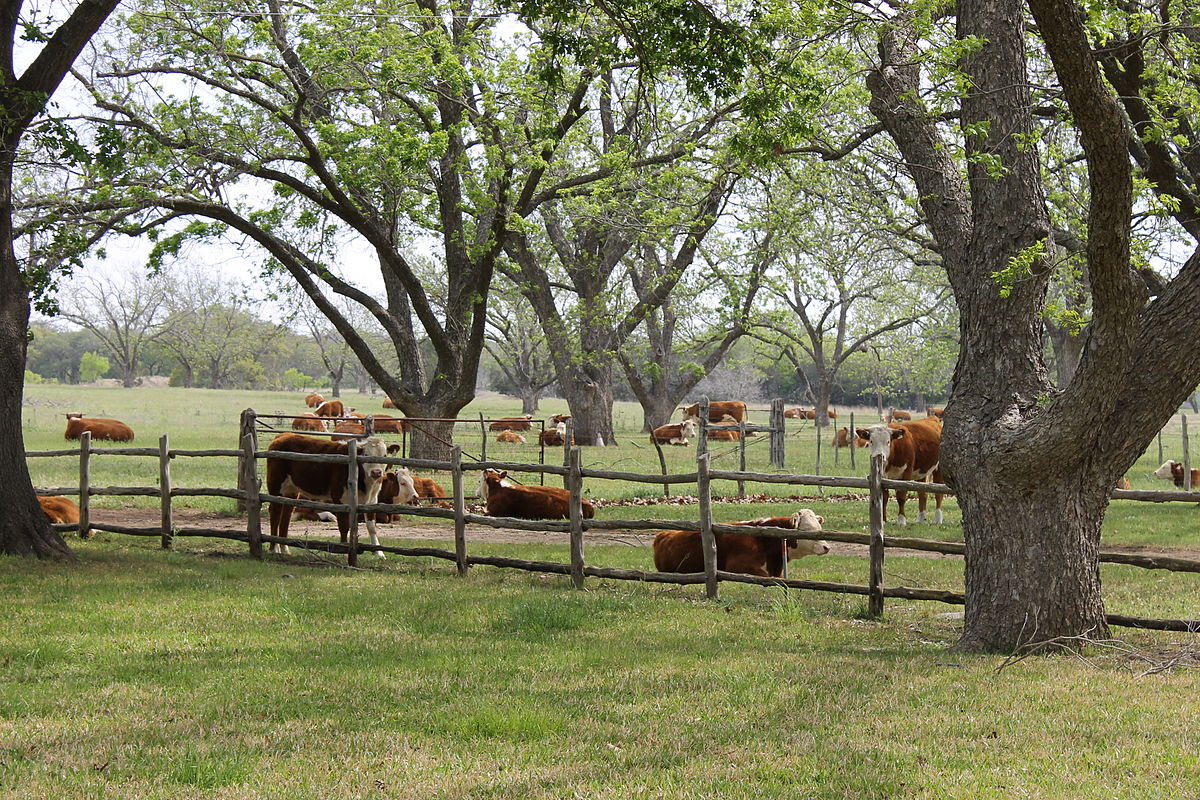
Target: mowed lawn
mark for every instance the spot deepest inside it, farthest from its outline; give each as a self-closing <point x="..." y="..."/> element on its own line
<point x="138" y="673"/>
<point x="199" y="673"/>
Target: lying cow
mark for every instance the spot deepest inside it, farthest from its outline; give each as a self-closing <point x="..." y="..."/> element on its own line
<point x="554" y="437"/>
<point x="512" y="423"/>
<point x="681" y="551"/>
<point x="506" y="499"/>
<point x="717" y="411"/>
<point x="510" y="437"/>
<point x="321" y="481"/>
<point x="99" y="427"/>
<point x="674" y="434"/>
<point x="843" y="438"/>
<point x="308" y="421"/>
<point x="61" y="511"/>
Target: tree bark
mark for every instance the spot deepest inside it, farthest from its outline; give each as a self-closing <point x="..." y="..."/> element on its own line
<point x="1067" y="349"/>
<point x="591" y="402"/>
<point x="529" y="400"/>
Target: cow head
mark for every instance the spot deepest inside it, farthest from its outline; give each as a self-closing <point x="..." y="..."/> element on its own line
<point x="561" y="429"/>
<point x="398" y="487"/>
<point x="492" y="476"/>
<point x="369" y="451"/>
<point x="1166" y="471"/>
<point x="880" y="438"/>
<point x="687" y="430"/>
<point x="75" y="415"/>
<point x="806" y="520"/>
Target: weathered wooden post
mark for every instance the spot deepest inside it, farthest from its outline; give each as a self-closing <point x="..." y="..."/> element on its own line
<point x="1187" y="456"/>
<point x="875" y="581"/>
<point x="247" y="428"/>
<point x="164" y="490"/>
<point x="742" y="461"/>
<point x="568" y="443"/>
<point x="85" y="483"/>
<point x="483" y="438"/>
<point x="352" y="498"/>
<point x="575" y="512"/>
<point x="460" y="509"/>
<point x="708" y="542"/>
<point x="662" y="462"/>
<point x="248" y="481"/>
<point x="369" y="425"/>
<point x="777" y="432"/>
<point x="702" y="446"/>
<point x="850" y="435"/>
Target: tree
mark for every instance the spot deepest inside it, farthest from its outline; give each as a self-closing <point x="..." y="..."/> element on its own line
<point x="516" y="343"/>
<point x="92" y="367"/>
<point x="23" y="528"/>
<point x="124" y="313"/>
<point x="1033" y="466"/>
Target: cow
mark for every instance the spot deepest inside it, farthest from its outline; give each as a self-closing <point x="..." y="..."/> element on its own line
<point x="895" y="414"/>
<point x="321" y="481"/>
<point x="811" y="413"/>
<point x="1123" y="482"/>
<point x="308" y="421"/>
<point x="934" y="411"/>
<point x="512" y="437"/>
<point x="385" y="423"/>
<point x="553" y="437"/>
<point x="61" y="511"/>
<point x="718" y="410"/>
<point x="843" y="438"/>
<point x="389" y="403"/>
<point x="674" y="434"/>
<point x="331" y="408"/>
<point x="424" y="487"/>
<point x="506" y="499"/>
<point x="313" y="400"/>
<point x="912" y="452"/>
<point x="1174" y="471"/>
<point x="349" y="429"/>
<point x="681" y="551"/>
<point x="794" y="413"/>
<point x="512" y="424"/>
<point x="723" y="432"/>
<point x="100" y="428"/>
<point x="557" y="418"/>
<point x="400" y="487"/>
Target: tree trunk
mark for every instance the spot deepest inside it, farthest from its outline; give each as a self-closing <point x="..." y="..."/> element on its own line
<point x="821" y="410"/>
<point x="1068" y="350"/>
<point x="921" y="403"/>
<point x="129" y="376"/>
<point x="432" y="440"/>
<point x="591" y="404"/>
<point x="656" y="412"/>
<point x="530" y="398"/>
<point x="1031" y="561"/>
<point x="879" y="404"/>
<point x="24" y="529"/>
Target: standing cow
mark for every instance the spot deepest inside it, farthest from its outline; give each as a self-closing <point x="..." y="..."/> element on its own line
<point x="912" y="452"/>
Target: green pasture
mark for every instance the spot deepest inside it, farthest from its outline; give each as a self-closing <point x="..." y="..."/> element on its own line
<point x="134" y="672"/>
<point x="205" y="418"/>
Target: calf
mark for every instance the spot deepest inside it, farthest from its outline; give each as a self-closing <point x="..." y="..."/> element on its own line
<point x="61" y="511"/>
<point x="506" y="499"/>
<point x="724" y="432"/>
<point x="794" y="413"/>
<point x="674" y="434"/>
<point x="321" y="481"/>
<point x="843" y="438"/>
<point x="512" y="437"/>
<point x="331" y="408"/>
<point x="308" y="421"/>
<point x="100" y="428"/>
<point x="557" y="418"/>
<point x="396" y="488"/>
<point x="681" y="551"/>
<point x="718" y="410"/>
<point x="1174" y="471"/>
<point x="349" y="429"/>
<point x="912" y="452"/>
<point x="512" y="424"/>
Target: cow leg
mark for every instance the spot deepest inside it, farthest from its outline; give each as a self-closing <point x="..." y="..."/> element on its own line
<point x="901" y="497"/>
<point x="374" y="536"/>
<point x="921" y="500"/>
<point x="281" y="518"/>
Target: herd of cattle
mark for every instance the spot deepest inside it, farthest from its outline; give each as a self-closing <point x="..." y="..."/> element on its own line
<point x="911" y="451"/>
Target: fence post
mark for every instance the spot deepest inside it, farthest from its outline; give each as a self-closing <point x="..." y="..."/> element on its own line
<point x="875" y="580"/>
<point x="777" y="432"/>
<point x="460" y="508"/>
<point x="248" y="481"/>
<point x="1187" y="456"/>
<point x="850" y="438"/>
<point x="662" y="462"/>
<point x="708" y="542"/>
<point x="568" y="442"/>
<point x="817" y="431"/>
<point x="247" y="429"/>
<point x="483" y="437"/>
<point x="352" y="499"/>
<point x="742" y="448"/>
<point x="164" y="488"/>
<point x="85" y="483"/>
<point x="1160" y="456"/>
<point x="702" y="447"/>
<point x="575" y="483"/>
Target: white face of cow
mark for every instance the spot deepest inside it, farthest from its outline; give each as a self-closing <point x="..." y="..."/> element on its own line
<point x="406" y="490"/>
<point x="1164" y="471"/>
<point x="688" y="429"/>
<point x="799" y="548"/>
<point x="807" y="520"/>
<point x="561" y="428"/>
<point x="370" y="450"/>
<point x="879" y="438"/>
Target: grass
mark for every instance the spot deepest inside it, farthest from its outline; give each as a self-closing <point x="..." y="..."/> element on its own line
<point x="137" y="673"/>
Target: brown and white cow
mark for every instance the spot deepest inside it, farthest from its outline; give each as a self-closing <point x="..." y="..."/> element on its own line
<point x="61" y="511"/>
<point x="681" y="551"/>
<point x="385" y="423"/>
<point x="308" y="421"/>
<point x="895" y="414"/>
<point x="321" y="481"/>
<point x="349" y="429"/>
<point x="723" y="432"/>
<point x="1173" y="470"/>
<point x="512" y="424"/>
<point x="934" y="411"/>
<point x="313" y="400"/>
<point x="843" y="438"/>
<point x="553" y="437"/>
<point x="675" y="434"/>
<point x="557" y="418"/>
<point x="511" y="437"/>
<point x="811" y="413"/>
<point x="717" y="411"/>
<point x="331" y="408"/>
<point x="100" y="428"/>
<point x="793" y="413"/>
<point x="506" y="499"/>
<point x="912" y="452"/>
<point x="424" y="487"/>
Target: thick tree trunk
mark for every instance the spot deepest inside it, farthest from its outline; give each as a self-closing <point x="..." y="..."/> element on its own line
<point x="432" y="440"/>
<point x="821" y="410"/>
<point x="1031" y="563"/>
<point x="921" y="403"/>
<point x="24" y="529"/>
<point x="657" y="411"/>
<point x="529" y="400"/>
<point x="591" y="404"/>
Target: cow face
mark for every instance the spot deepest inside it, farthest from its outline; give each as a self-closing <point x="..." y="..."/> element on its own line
<point x="1166" y="471"/>
<point x="687" y="430"/>
<point x="398" y="487"/>
<point x="799" y="548"/>
<point x="807" y="520"/>
<point x="372" y="449"/>
<point x="496" y="477"/>
<point x="879" y="438"/>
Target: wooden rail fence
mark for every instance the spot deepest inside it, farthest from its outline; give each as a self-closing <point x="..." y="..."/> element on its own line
<point x="574" y="475"/>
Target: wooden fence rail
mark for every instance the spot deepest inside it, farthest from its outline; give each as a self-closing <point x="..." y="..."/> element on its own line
<point x="575" y="526"/>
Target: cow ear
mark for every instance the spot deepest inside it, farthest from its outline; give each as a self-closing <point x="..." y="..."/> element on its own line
<point x="897" y="433"/>
<point x="502" y="475"/>
<point x="393" y="449"/>
<point x="863" y="433"/>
